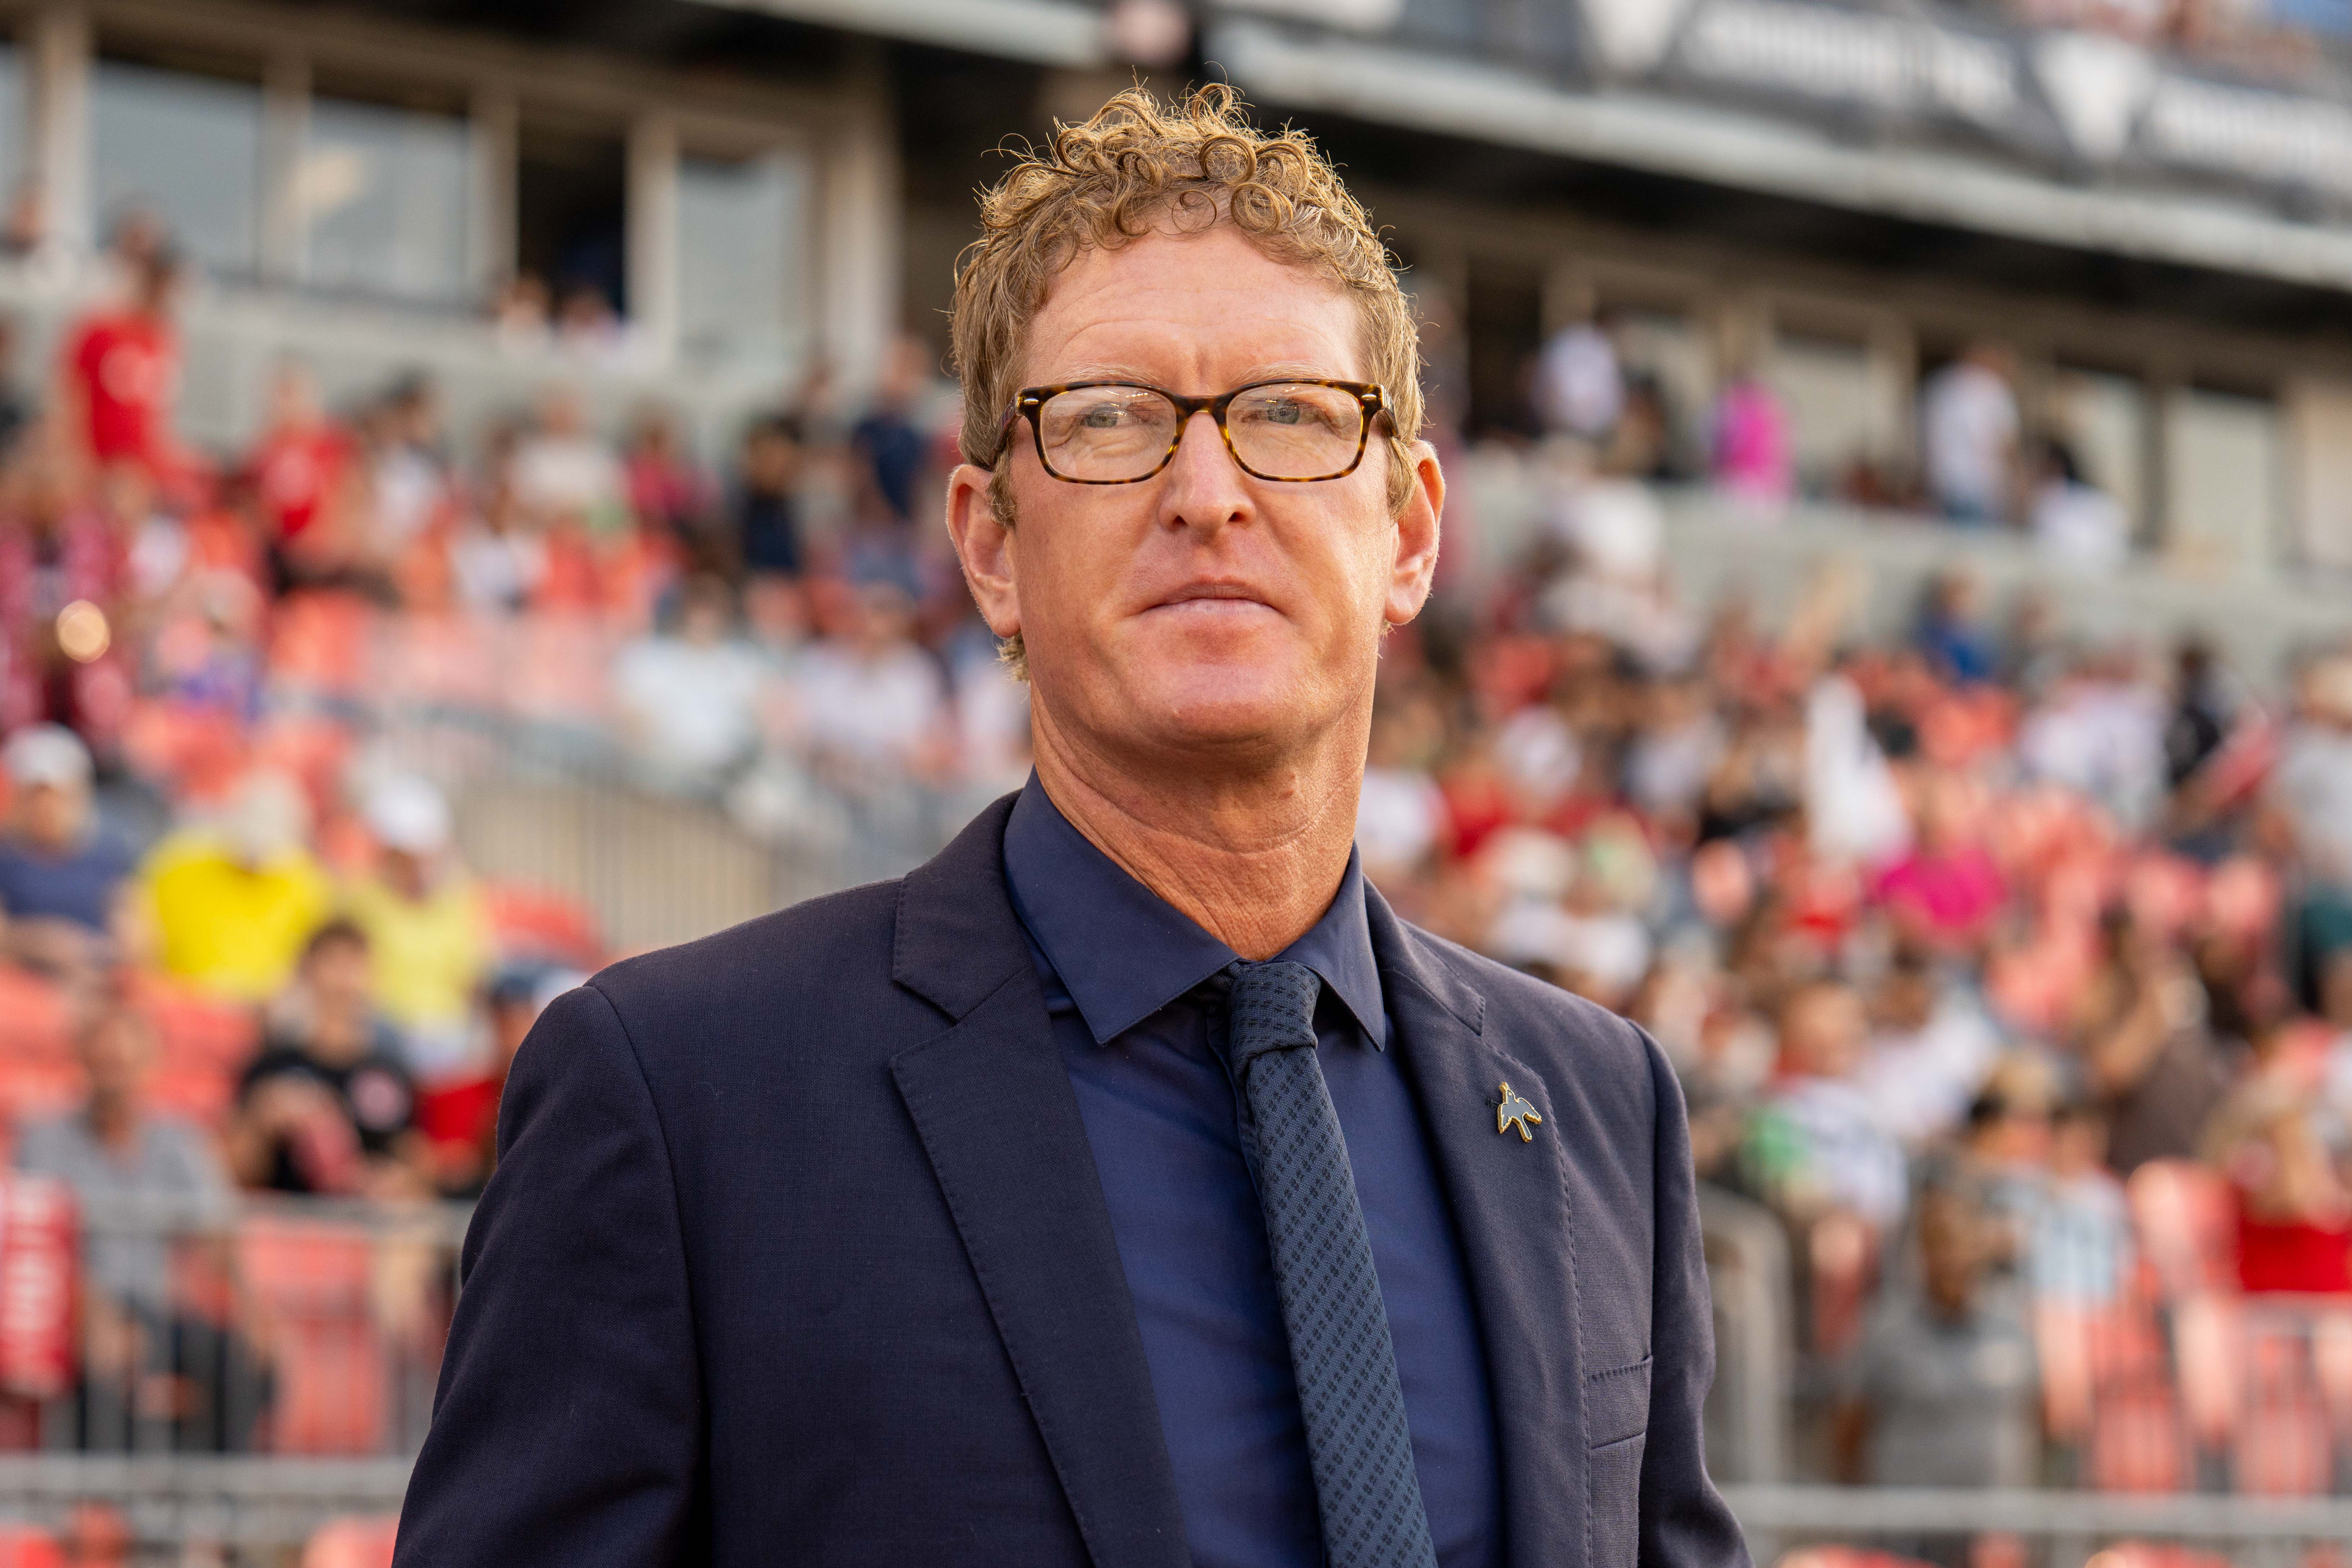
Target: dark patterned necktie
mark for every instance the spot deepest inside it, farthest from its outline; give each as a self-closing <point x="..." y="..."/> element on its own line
<point x="1356" y="1440"/>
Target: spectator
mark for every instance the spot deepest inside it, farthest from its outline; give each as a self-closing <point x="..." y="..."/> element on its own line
<point x="2079" y="1249"/>
<point x="689" y="699"/>
<point x="1942" y="1392"/>
<point x="1952" y="633"/>
<point x="155" y="1366"/>
<point x="564" y="475"/>
<point x="64" y="878"/>
<point x="233" y="905"/>
<point x="328" y="1107"/>
<point x="408" y="481"/>
<point x="119" y="371"/>
<point x="301" y="467"/>
<point x="767" y="502"/>
<point x="2077" y="524"/>
<point x="1816" y="1146"/>
<point x="1930" y="1051"/>
<point x="15" y="412"/>
<point x="666" y="491"/>
<point x="887" y="446"/>
<point x="1968" y="430"/>
<point x="2201" y="711"/>
<point x="2139" y="1028"/>
<point x="2278" y="1142"/>
<point x="871" y="701"/>
<point x="1401" y="813"/>
<point x="1579" y="386"/>
<point x="459" y="1116"/>
<point x="427" y="928"/>
<point x="1750" y="456"/>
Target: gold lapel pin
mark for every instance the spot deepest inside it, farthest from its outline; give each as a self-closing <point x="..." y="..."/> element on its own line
<point x="1516" y="1110"/>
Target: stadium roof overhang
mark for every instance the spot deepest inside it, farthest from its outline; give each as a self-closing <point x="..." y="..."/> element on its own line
<point x="1713" y="138"/>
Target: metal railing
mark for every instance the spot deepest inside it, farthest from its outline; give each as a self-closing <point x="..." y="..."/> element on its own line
<point x="2033" y="1529"/>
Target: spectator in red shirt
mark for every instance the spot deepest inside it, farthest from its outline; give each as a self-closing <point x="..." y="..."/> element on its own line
<point x="460" y="1119"/>
<point x="121" y="372"/>
<point x="302" y="471"/>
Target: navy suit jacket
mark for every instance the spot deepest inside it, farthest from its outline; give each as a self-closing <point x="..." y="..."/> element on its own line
<point x="795" y="1254"/>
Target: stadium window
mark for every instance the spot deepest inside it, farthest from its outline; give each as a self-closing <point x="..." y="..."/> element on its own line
<point x="184" y="144"/>
<point x="2102" y="418"/>
<point x="2225" y="482"/>
<point x="381" y="195"/>
<point x="571" y="214"/>
<point x="743" y="234"/>
<point x="1836" y="417"/>
<point x="2319" y="450"/>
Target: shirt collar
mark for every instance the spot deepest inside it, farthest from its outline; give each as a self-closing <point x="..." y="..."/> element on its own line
<point x="1123" y="953"/>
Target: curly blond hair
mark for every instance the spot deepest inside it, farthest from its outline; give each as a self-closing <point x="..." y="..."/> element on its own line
<point x="1136" y="163"/>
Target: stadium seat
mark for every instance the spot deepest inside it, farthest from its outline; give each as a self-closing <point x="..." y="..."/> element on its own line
<point x="314" y="1279"/>
<point x="36" y="1022"/>
<point x="353" y="1543"/>
<point x="22" y="1546"/>
<point x="538" y="923"/>
<point x="2136" y="1443"/>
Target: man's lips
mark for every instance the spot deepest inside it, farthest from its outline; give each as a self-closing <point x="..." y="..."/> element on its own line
<point x="1212" y="595"/>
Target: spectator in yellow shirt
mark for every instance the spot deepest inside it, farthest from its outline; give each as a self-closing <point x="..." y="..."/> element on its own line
<point x="426" y="927"/>
<point x="232" y="904"/>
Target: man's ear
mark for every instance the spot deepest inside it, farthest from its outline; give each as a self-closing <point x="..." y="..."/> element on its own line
<point x="985" y="544"/>
<point x="1416" y="537"/>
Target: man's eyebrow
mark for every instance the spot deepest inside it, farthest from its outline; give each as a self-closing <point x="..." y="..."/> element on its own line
<point x="1284" y="370"/>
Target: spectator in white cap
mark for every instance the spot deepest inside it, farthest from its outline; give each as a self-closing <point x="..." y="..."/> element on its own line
<point x="427" y="926"/>
<point x="63" y="907"/>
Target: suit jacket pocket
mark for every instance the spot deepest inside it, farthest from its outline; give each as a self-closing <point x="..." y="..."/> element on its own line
<point x="1617" y="1419"/>
<point x="1617" y="1404"/>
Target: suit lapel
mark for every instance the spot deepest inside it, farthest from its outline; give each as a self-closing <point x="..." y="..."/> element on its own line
<point x="992" y="1103"/>
<point x="1509" y="1200"/>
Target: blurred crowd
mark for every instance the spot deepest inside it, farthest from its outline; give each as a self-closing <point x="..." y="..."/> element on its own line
<point x="240" y="948"/>
<point x="2011" y="975"/>
<point x="2009" y="972"/>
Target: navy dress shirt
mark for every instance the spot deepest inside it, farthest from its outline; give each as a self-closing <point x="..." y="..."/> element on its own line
<point x="1123" y="975"/>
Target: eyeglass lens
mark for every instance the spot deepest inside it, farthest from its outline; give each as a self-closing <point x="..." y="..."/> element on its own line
<point x="1293" y="430"/>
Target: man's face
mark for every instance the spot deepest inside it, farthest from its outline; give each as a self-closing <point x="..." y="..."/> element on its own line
<point x="1202" y="609"/>
<point x="54" y="815"/>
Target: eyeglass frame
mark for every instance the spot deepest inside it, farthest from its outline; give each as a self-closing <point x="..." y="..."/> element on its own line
<point x="1371" y="402"/>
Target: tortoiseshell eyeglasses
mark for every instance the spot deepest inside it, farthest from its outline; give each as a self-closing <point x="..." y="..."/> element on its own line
<point x="1120" y="432"/>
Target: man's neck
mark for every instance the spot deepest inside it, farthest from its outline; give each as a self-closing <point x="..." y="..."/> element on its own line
<point x="1253" y="859"/>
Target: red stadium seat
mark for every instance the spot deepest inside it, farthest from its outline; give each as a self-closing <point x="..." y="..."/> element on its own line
<point x="36" y="1022"/>
<point x="353" y="1543"/>
<point x="22" y="1546"/>
<point x="2136" y="1443"/>
<point x="312" y="1279"/>
<point x="533" y="923"/>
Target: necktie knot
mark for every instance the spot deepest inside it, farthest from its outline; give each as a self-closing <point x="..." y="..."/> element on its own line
<point x="1271" y="1007"/>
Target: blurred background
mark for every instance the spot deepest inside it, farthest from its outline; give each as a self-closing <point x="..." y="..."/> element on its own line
<point x="469" y="513"/>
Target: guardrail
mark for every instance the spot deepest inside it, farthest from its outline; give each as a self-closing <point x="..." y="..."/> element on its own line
<point x="2030" y="1529"/>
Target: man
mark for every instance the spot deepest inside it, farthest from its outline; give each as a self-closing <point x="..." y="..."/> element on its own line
<point x="232" y="905"/>
<point x="64" y="908"/>
<point x="157" y="1371"/>
<point x="1128" y="1185"/>
<point x="119" y="376"/>
<point x="426" y="927"/>
<point x="327" y="1105"/>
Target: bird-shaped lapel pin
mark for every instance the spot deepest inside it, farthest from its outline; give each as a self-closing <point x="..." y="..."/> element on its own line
<point x="1515" y="1112"/>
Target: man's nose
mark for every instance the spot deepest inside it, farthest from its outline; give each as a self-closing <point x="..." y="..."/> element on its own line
<point x="1204" y="483"/>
